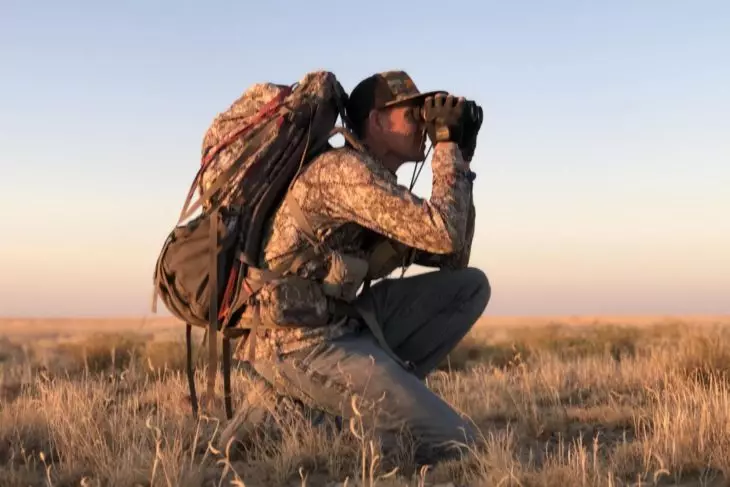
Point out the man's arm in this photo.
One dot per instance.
(348, 186)
(455, 260)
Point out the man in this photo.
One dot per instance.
(347, 204)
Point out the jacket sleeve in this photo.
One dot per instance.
(455, 260)
(349, 186)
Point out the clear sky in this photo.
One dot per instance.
(603, 165)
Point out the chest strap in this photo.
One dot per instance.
(257, 278)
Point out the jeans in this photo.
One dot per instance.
(422, 318)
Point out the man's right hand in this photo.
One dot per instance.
(445, 117)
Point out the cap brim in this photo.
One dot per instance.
(412, 98)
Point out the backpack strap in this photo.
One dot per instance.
(365, 313)
(257, 278)
(382, 254)
(371, 320)
(190, 369)
(213, 313)
(227, 376)
(351, 139)
(302, 223)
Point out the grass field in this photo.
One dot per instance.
(566, 401)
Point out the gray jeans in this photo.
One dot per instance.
(422, 318)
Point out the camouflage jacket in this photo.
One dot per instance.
(352, 201)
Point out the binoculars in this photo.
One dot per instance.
(470, 116)
(471, 112)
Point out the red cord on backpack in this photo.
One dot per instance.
(265, 111)
(226, 301)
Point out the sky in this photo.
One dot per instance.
(603, 165)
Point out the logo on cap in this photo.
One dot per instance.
(401, 85)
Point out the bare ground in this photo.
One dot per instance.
(612, 401)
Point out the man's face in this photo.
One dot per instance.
(402, 132)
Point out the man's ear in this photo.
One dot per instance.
(375, 121)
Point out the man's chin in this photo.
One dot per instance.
(416, 155)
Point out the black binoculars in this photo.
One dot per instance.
(468, 117)
(471, 112)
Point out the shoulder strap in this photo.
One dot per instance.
(301, 220)
(349, 137)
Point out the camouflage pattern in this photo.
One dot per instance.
(402, 87)
(317, 86)
(352, 201)
(247, 105)
(250, 102)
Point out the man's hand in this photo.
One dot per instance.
(445, 117)
(474, 117)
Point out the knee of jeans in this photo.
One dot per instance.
(479, 285)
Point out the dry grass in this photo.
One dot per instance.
(601, 404)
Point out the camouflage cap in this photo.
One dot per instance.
(381, 90)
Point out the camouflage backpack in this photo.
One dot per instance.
(251, 154)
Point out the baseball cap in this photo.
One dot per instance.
(382, 90)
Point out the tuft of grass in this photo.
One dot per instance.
(705, 357)
(116, 352)
(168, 355)
(102, 352)
(568, 342)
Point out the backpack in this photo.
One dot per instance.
(251, 155)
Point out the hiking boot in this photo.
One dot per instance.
(252, 416)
